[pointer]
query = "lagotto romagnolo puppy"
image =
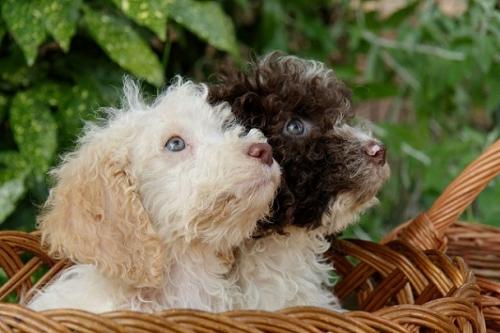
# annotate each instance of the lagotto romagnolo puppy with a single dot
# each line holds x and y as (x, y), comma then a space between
(331, 173)
(152, 203)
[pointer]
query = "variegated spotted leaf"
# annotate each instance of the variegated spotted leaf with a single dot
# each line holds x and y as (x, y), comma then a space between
(207, 20)
(34, 129)
(149, 13)
(13, 172)
(15, 72)
(60, 18)
(77, 105)
(124, 45)
(24, 20)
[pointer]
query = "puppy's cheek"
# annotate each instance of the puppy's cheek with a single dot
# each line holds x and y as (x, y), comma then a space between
(344, 210)
(374, 182)
(270, 190)
(275, 175)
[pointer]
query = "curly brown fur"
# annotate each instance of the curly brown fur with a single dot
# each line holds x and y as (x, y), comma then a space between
(325, 162)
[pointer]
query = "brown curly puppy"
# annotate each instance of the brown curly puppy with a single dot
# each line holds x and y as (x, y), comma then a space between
(331, 173)
(302, 108)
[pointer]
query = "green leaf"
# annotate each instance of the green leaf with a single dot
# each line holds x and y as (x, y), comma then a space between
(99, 76)
(488, 204)
(2, 30)
(23, 218)
(123, 45)
(98, 82)
(75, 106)
(12, 165)
(10, 192)
(346, 72)
(401, 15)
(3, 106)
(272, 32)
(60, 19)
(34, 129)
(374, 91)
(149, 13)
(493, 84)
(13, 171)
(23, 19)
(15, 73)
(208, 21)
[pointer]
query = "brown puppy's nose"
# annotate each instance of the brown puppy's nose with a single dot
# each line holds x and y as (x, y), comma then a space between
(262, 151)
(376, 151)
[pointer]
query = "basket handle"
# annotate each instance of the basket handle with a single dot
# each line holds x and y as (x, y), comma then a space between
(427, 230)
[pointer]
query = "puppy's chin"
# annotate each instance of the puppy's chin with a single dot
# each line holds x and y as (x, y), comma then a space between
(381, 175)
(253, 201)
(345, 209)
(372, 182)
(233, 216)
(265, 179)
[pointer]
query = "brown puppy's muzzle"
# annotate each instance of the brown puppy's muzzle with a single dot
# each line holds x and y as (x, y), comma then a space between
(376, 152)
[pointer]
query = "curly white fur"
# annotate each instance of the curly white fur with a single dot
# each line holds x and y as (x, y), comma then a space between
(280, 271)
(151, 228)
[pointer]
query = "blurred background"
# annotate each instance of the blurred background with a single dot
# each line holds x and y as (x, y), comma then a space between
(426, 73)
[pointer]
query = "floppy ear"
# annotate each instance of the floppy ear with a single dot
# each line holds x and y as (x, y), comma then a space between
(94, 216)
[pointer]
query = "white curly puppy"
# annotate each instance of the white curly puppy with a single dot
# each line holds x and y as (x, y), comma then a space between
(153, 202)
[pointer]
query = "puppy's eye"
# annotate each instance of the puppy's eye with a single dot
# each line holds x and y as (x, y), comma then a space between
(295, 127)
(175, 144)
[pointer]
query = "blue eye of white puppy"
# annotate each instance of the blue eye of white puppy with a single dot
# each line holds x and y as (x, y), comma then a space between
(175, 144)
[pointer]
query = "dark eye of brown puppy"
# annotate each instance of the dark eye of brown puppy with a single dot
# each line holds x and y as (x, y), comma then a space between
(328, 177)
(295, 127)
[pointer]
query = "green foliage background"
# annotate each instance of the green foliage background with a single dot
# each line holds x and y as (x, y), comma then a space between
(430, 79)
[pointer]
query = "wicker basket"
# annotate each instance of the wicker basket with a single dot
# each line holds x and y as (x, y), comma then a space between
(405, 285)
(478, 244)
(400, 288)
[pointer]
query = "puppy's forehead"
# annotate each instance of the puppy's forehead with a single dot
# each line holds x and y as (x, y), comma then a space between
(279, 88)
(181, 103)
(193, 115)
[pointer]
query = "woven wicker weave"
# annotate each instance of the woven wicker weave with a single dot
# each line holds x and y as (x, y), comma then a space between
(400, 288)
(479, 245)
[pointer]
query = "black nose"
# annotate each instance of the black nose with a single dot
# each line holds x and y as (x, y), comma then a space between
(262, 151)
(376, 151)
